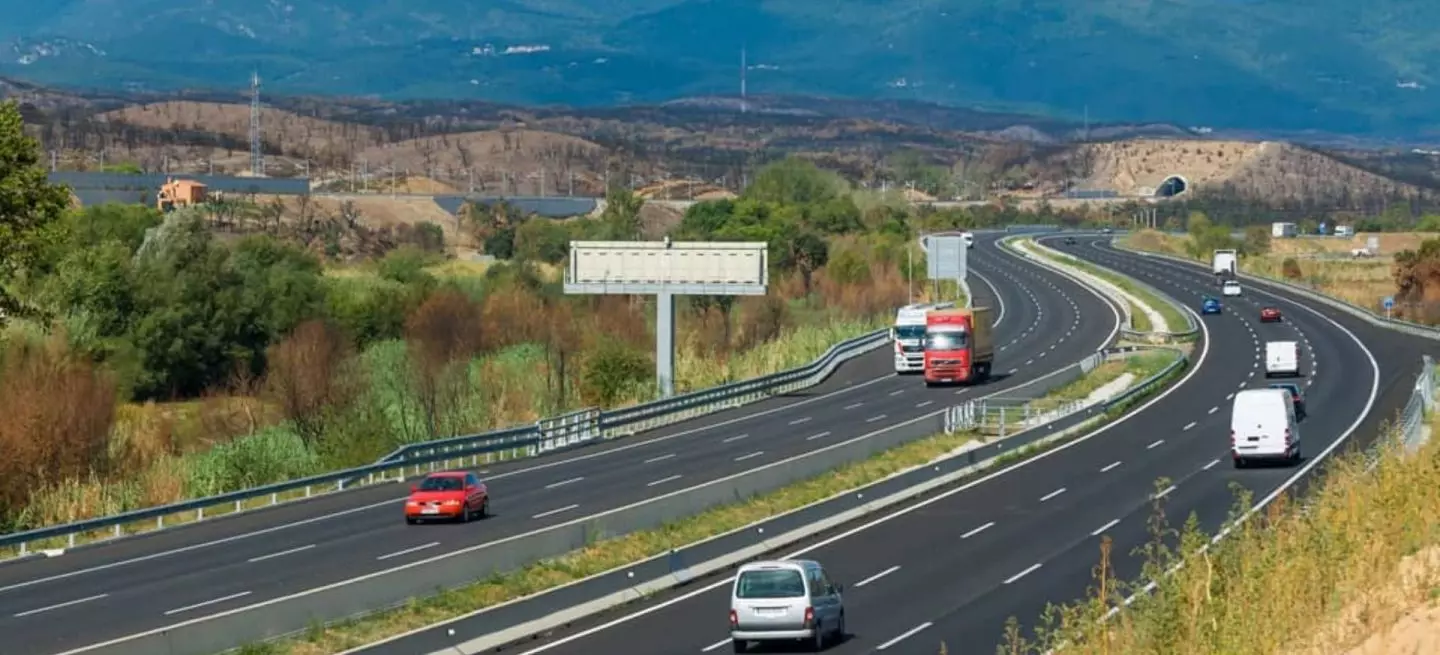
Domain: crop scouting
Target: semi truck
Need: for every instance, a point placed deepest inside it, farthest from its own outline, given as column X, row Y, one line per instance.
column 1223, row 263
column 958, row 345
column 908, row 336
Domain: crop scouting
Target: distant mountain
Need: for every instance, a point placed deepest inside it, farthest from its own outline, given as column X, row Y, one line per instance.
column 1327, row 65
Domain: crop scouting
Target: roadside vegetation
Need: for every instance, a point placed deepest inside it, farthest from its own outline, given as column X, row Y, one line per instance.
column 1174, row 320
column 612, row 553
column 1330, row 576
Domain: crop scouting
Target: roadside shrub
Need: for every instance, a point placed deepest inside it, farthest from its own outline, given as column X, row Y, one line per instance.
column 612, row 371
column 1290, row 268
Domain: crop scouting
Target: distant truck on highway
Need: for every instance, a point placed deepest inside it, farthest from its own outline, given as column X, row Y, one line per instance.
column 958, row 345
column 1283, row 230
column 1224, row 263
column 908, row 335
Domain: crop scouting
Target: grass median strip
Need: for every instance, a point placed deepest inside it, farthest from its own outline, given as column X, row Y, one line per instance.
column 1174, row 319
column 613, row 553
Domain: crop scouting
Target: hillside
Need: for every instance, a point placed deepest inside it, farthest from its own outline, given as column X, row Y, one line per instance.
column 1257, row 170
column 1336, row 66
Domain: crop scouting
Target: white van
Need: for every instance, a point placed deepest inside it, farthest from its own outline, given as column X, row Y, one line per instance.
column 1282, row 358
column 785, row 600
column 1263, row 427
column 908, row 336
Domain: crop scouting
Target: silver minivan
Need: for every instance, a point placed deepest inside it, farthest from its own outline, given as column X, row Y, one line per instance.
column 785, row 600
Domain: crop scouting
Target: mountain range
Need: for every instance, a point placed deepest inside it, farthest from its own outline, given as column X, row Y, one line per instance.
column 1329, row 66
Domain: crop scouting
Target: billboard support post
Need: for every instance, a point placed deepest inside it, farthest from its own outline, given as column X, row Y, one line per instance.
column 665, row 269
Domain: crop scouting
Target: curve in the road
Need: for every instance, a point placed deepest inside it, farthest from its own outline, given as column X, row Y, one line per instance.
column 149, row 582
column 954, row 568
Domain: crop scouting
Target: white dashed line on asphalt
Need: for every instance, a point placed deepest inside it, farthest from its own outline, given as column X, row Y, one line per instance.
column 822, row 435
column 661, row 458
column 1154, row 445
column 417, row 549
column 877, row 576
column 1052, row 494
column 1110, row 467
column 735, row 438
column 978, row 530
column 1022, row 574
column 1188, row 426
column 553, row 512
column 663, row 480
column 750, row 456
column 1103, row 528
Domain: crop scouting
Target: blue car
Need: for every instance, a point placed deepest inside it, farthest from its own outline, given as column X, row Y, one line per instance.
column 1210, row 306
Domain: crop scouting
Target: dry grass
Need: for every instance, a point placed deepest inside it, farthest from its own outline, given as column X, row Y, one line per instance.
column 1361, row 282
column 516, row 162
column 1329, row 580
column 288, row 131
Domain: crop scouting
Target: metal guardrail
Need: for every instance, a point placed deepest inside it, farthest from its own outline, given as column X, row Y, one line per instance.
column 1004, row 416
column 1191, row 327
column 1413, row 429
column 1408, row 327
column 547, row 435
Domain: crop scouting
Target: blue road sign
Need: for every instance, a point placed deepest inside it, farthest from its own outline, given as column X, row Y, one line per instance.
column 1389, row 302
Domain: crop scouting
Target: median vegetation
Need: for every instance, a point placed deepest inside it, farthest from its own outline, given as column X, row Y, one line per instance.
column 611, row 553
column 1325, row 576
column 1172, row 315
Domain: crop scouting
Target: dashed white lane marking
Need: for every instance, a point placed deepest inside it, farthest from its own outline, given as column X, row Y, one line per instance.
column 928, row 402
column 898, row 392
column 905, row 635
column 416, row 549
column 873, row 419
column 735, row 438
column 57, row 606
column 553, row 512
column 798, row 421
column 1022, row 574
column 853, row 405
column 562, row 483
column 978, row 530
column 1213, row 409
column 1103, row 528
column 822, row 435
column 1210, row 465
column 1110, row 467
column 1154, row 445
column 1013, row 370
column 1188, row 425
column 1052, row 494
column 282, row 553
column 1165, row 492
column 661, row 458
column 1230, row 395
column 877, row 576
column 207, row 603
column 750, row 456
column 715, row 645
column 663, row 480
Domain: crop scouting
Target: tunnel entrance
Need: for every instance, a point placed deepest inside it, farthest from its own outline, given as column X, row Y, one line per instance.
column 1172, row 186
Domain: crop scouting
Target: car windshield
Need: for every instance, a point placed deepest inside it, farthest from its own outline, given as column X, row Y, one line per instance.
column 945, row 340
column 442, row 483
column 910, row 332
column 770, row 583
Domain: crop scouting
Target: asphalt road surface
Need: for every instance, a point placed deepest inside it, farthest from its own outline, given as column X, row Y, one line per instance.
column 1043, row 322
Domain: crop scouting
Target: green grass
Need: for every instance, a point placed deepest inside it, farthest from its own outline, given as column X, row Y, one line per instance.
column 612, row 553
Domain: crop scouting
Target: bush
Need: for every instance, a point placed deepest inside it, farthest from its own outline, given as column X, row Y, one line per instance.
column 613, row 371
column 1290, row 268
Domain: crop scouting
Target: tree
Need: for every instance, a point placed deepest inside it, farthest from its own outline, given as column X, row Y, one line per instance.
column 30, row 207
column 794, row 181
column 621, row 217
column 809, row 252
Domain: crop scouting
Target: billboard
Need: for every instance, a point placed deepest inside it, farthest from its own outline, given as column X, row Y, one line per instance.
column 679, row 267
column 945, row 257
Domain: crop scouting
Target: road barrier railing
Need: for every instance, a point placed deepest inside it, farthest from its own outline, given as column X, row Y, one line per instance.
column 547, row 435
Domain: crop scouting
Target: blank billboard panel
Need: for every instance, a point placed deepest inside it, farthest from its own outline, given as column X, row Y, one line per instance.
column 683, row 267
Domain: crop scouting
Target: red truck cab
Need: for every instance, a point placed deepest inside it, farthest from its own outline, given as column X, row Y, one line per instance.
column 958, row 348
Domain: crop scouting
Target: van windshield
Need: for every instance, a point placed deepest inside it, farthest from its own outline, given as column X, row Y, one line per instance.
column 772, row 583
column 909, row 332
column 946, row 340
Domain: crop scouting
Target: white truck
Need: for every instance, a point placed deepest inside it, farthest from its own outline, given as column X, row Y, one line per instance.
column 908, row 335
column 1224, row 263
column 1263, row 427
column 1282, row 358
column 1282, row 230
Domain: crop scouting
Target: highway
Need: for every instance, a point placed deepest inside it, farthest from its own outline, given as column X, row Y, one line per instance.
column 146, row 583
column 951, row 569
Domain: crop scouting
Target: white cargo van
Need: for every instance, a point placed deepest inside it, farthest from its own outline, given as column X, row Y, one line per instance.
column 908, row 336
column 1282, row 358
column 1263, row 427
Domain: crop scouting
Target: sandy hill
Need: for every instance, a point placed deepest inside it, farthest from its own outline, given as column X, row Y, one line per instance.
column 516, row 161
column 1261, row 169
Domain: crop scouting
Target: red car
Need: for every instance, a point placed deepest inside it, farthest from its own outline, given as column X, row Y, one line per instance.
column 1268, row 314
column 456, row 495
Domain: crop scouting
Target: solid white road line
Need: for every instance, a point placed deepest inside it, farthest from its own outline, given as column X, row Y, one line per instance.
column 553, row 512
column 207, row 603
column 59, row 605
column 407, row 551
column 280, row 554
column 905, row 635
column 877, row 576
column 978, row 530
